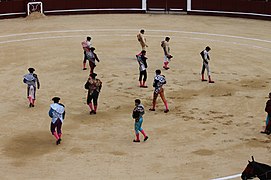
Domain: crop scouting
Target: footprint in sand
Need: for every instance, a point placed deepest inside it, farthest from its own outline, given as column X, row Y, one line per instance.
column 203, row 152
column 118, row 153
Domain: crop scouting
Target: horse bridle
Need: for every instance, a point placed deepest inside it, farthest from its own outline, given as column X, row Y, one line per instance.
column 266, row 173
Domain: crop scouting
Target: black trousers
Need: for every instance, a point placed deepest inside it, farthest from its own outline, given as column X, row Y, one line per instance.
column 143, row 73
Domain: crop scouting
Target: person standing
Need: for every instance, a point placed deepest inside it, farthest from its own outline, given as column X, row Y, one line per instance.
column 86, row 45
column 94, row 87
column 167, row 55
column 159, row 81
column 32, row 81
column 57, row 113
column 142, row 61
column 267, row 121
column 138, row 117
column 142, row 41
column 92, row 58
column 205, row 65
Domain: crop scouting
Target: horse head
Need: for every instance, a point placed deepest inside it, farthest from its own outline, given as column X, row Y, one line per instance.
column 255, row 169
column 249, row 172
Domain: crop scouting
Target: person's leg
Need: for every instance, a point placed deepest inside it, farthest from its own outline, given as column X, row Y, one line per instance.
column 209, row 73
column 144, row 78
column 53, row 131
column 155, row 95
column 84, row 61
column 268, row 125
column 89, row 102
column 29, row 97
column 34, row 97
column 92, row 66
column 140, row 78
column 141, row 129
column 162, row 95
column 137, row 127
column 95, row 101
column 166, row 63
column 202, row 72
column 59, row 131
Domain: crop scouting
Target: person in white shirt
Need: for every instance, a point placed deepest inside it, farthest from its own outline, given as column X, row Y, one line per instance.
column 86, row 45
column 205, row 64
column 57, row 113
column 142, row 61
column 32, row 81
column 167, row 55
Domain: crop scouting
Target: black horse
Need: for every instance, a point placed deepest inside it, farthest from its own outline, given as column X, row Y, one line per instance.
column 255, row 169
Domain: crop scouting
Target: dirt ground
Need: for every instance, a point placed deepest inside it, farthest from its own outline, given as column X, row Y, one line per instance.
column 211, row 130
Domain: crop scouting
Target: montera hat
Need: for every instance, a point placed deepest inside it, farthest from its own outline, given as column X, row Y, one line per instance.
column 93, row 75
column 56, row 99
column 31, row 69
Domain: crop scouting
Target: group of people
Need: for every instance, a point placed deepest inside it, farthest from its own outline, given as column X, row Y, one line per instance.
column 57, row 110
column 93, row 85
column 159, row 79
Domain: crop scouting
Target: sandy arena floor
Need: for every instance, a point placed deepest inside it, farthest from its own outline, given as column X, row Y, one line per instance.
column 211, row 130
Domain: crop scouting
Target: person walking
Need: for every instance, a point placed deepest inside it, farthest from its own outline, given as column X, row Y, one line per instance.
column 92, row 58
column 86, row 45
column 142, row 61
column 94, row 87
column 268, row 116
column 167, row 55
column 205, row 64
column 159, row 81
column 138, row 117
column 32, row 81
column 142, row 40
column 57, row 113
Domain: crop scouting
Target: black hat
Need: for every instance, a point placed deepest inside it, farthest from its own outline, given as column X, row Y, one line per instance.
column 92, row 48
column 93, row 75
column 56, row 99
column 31, row 69
column 158, row 71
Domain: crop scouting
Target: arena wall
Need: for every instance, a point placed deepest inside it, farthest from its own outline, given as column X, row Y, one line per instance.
column 241, row 8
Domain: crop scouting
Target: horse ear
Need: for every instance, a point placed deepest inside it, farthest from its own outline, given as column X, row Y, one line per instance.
column 252, row 158
column 249, row 162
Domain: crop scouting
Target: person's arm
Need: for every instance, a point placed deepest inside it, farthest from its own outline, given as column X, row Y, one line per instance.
column 63, row 115
column 155, row 83
column 38, row 82
column 87, row 85
column 51, row 112
column 96, row 57
column 268, row 107
column 143, row 39
column 165, row 49
column 101, row 85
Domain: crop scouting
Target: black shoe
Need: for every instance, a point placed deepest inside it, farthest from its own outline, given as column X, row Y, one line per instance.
column 166, row 111
column 151, row 109
column 136, row 140
column 30, row 105
column 84, row 68
column 94, row 112
column 146, row 138
column 58, row 141
column 91, row 112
